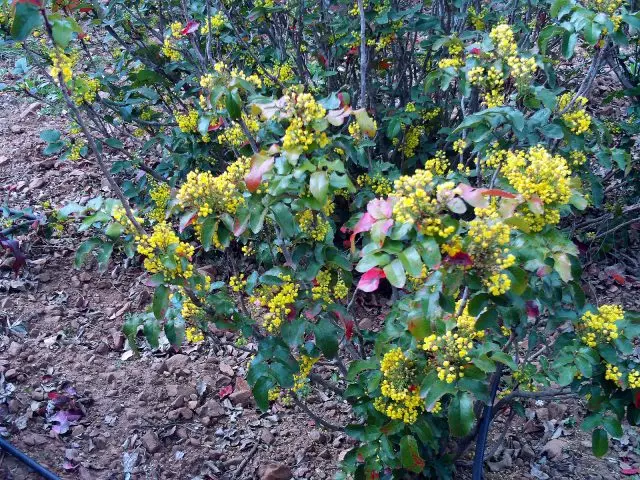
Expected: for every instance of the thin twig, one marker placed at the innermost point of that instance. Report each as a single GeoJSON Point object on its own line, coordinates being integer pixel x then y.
{"type": "Point", "coordinates": [246, 460]}
{"type": "Point", "coordinates": [316, 418]}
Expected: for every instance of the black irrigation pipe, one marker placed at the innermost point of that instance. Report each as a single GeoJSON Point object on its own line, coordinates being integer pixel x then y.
{"type": "Point", "coordinates": [481, 442]}
{"type": "Point", "coordinates": [28, 461]}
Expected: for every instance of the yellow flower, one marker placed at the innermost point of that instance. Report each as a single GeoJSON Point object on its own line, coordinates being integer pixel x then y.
{"type": "Point", "coordinates": [599, 328]}
{"type": "Point", "coordinates": [400, 398]}
{"type": "Point", "coordinates": [300, 379]}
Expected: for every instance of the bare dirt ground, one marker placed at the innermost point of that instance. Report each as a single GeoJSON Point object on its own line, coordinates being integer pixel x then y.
{"type": "Point", "coordinates": [87, 409]}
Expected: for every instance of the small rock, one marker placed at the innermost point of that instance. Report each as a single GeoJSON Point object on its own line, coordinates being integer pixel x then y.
{"type": "Point", "coordinates": [317, 436]}
{"type": "Point", "coordinates": [542, 414]}
{"type": "Point", "coordinates": [274, 471]}
{"type": "Point", "coordinates": [186, 413]}
{"type": "Point", "coordinates": [213, 408]}
{"type": "Point", "coordinates": [267, 437]}
{"type": "Point", "coordinates": [77, 431]}
{"type": "Point", "coordinates": [151, 442]}
{"type": "Point", "coordinates": [241, 393]}
{"type": "Point", "coordinates": [178, 402]}
{"type": "Point", "coordinates": [557, 411]}
{"type": "Point", "coordinates": [553, 448]}
{"type": "Point", "coordinates": [193, 404]}
{"type": "Point", "coordinates": [226, 369]}
{"type": "Point", "coordinates": [11, 374]}
{"type": "Point", "coordinates": [38, 395]}
{"type": "Point", "coordinates": [177, 361]}
{"type": "Point", "coordinates": [102, 348]}
{"type": "Point", "coordinates": [16, 128]}
{"type": "Point", "coordinates": [527, 453]}
{"type": "Point", "coordinates": [172, 390]}
{"type": "Point", "coordinates": [14, 349]}
{"type": "Point", "coordinates": [33, 439]}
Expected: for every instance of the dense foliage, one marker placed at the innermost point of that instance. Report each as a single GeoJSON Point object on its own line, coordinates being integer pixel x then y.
{"type": "Point", "coordinates": [276, 160]}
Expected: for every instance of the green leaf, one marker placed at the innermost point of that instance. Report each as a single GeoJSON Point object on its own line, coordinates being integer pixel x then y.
{"type": "Point", "coordinates": [612, 426]}
{"type": "Point", "coordinates": [327, 337]}
{"type": "Point", "coordinates": [85, 249]}
{"type": "Point", "coordinates": [599, 442]}
{"type": "Point", "coordinates": [260, 391]}
{"type": "Point", "coordinates": [160, 301]}
{"type": "Point", "coordinates": [103, 255]}
{"type": "Point", "coordinates": [411, 261]}
{"type": "Point", "coordinates": [546, 35]}
{"type": "Point", "coordinates": [557, 6]}
{"type": "Point", "coordinates": [151, 331]}
{"type": "Point", "coordinates": [232, 103]}
{"type": "Point", "coordinates": [409, 454]}
{"type": "Point", "coordinates": [430, 252]}
{"type": "Point", "coordinates": [393, 128]}
{"type": "Point", "coordinates": [461, 416]}
{"type": "Point", "coordinates": [552, 130]}
{"type": "Point", "coordinates": [62, 32]}
{"type": "Point", "coordinates": [284, 218]}
{"type": "Point", "coordinates": [114, 143]}
{"type": "Point", "coordinates": [27, 17]}
{"type": "Point", "coordinates": [50, 136]}
{"type": "Point", "coordinates": [478, 303]}
{"type": "Point", "coordinates": [130, 329]}
{"type": "Point", "coordinates": [318, 185]}
{"type": "Point", "coordinates": [114, 230]}
{"type": "Point", "coordinates": [395, 273]}
{"type": "Point", "coordinates": [569, 41]}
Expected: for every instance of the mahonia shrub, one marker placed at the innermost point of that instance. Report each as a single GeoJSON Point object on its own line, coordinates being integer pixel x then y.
{"type": "Point", "coordinates": [273, 162]}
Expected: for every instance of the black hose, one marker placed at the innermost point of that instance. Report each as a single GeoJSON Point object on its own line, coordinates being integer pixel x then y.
{"type": "Point", "coordinates": [481, 442]}
{"type": "Point", "coordinates": [28, 461]}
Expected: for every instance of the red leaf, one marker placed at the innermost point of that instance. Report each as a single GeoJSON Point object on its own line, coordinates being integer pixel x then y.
{"type": "Point", "coordinates": [460, 258]}
{"type": "Point", "coordinates": [370, 281]}
{"type": "Point", "coordinates": [323, 60]}
{"type": "Point", "coordinates": [636, 399]}
{"type": "Point", "coordinates": [364, 225]}
{"type": "Point", "coordinates": [259, 166]}
{"type": "Point", "coordinates": [496, 192]}
{"type": "Point", "coordinates": [630, 471]}
{"type": "Point", "coordinates": [532, 309]}
{"type": "Point", "coordinates": [225, 391]}
{"type": "Point", "coordinates": [475, 51]}
{"type": "Point", "coordinates": [618, 278]}
{"type": "Point", "coordinates": [191, 27]}
{"type": "Point", "coordinates": [216, 126]}
{"type": "Point", "coordinates": [187, 219]}
{"type": "Point", "coordinates": [384, 65]}
{"type": "Point", "coordinates": [348, 323]}
{"type": "Point", "coordinates": [14, 247]}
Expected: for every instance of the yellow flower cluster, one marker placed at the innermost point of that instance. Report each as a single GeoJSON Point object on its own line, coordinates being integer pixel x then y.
{"type": "Point", "coordinates": [282, 72]}
{"type": "Point", "coordinates": [169, 51]}
{"type": "Point", "coordinates": [612, 373]}
{"type": "Point", "coordinates": [576, 117]}
{"type": "Point", "coordinates": [600, 327]}
{"type": "Point", "coordinates": [237, 282]}
{"type": "Point", "coordinates": [277, 299]}
{"type": "Point", "coordinates": [85, 89]}
{"type": "Point", "coordinates": [165, 253]}
{"type": "Point", "coordinates": [119, 215]}
{"type": "Point", "coordinates": [577, 158]}
{"type": "Point", "coordinates": [160, 194]}
{"type": "Point", "coordinates": [273, 394]}
{"type": "Point", "coordinates": [439, 164]}
{"type": "Point", "coordinates": [450, 352]}
{"type": "Point", "coordinates": [522, 68]}
{"type": "Point", "coordinates": [75, 152]}
{"type": "Point", "coordinates": [300, 379]}
{"type": "Point", "coordinates": [194, 335]}
{"type": "Point", "coordinates": [605, 6]}
{"type": "Point", "coordinates": [459, 145]}
{"type": "Point", "coordinates": [312, 224]}
{"type": "Point", "coordinates": [303, 110]}
{"type": "Point", "coordinates": [491, 82]}
{"type": "Point", "coordinates": [234, 136]}
{"type": "Point", "coordinates": [503, 40]}
{"type": "Point", "coordinates": [538, 176]}
{"type": "Point", "coordinates": [217, 23]}
{"type": "Point", "coordinates": [453, 62]}
{"type": "Point", "coordinates": [322, 289]}
{"type": "Point", "coordinates": [380, 185]}
{"type": "Point", "coordinates": [62, 63]}
{"type": "Point", "coordinates": [412, 140]}
{"type": "Point", "coordinates": [634, 379]}
{"type": "Point", "coordinates": [400, 398]}
{"type": "Point", "coordinates": [176, 29]}
{"type": "Point", "coordinates": [209, 194]}
{"type": "Point", "coordinates": [417, 205]}
{"type": "Point", "coordinates": [188, 122]}
{"type": "Point", "coordinates": [488, 236]}
{"type": "Point", "coordinates": [477, 18]}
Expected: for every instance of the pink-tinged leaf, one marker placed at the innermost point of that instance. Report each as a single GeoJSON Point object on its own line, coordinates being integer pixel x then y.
{"type": "Point", "coordinates": [543, 271]}
{"type": "Point", "coordinates": [19, 257]}
{"type": "Point", "coordinates": [191, 27]}
{"type": "Point", "coordinates": [63, 420]}
{"type": "Point", "coordinates": [536, 206]}
{"type": "Point", "coordinates": [630, 471]}
{"type": "Point", "coordinates": [619, 279]}
{"type": "Point", "coordinates": [456, 205]}
{"type": "Point", "coordinates": [532, 309]}
{"type": "Point", "coordinates": [460, 258]}
{"type": "Point", "coordinates": [370, 281]}
{"type": "Point", "coordinates": [496, 192]}
{"type": "Point", "coordinates": [380, 209]}
{"type": "Point", "coordinates": [616, 273]}
{"type": "Point", "coordinates": [348, 323]}
{"type": "Point", "coordinates": [473, 196]}
{"type": "Point", "coordinates": [380, 229]}
{"type": "Point", "coordinates": [187, 219]}
{"type": "Point", "coordinates": [365, 122]}
{"type": "Point", "coordinates": [336, 117]}
{"type": "Point", "coordinates": [216, 126]}
{"type": "Point", "coordinates": [562, 265]}
{"type": "Point", "coordinates": [259, 166]}
{"type": "Point", "coordinates": [224, 392]}
{"type": "Point", "coordinates": [240, 228]}
{"type": "Point", "coordinates": [364, 225]}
